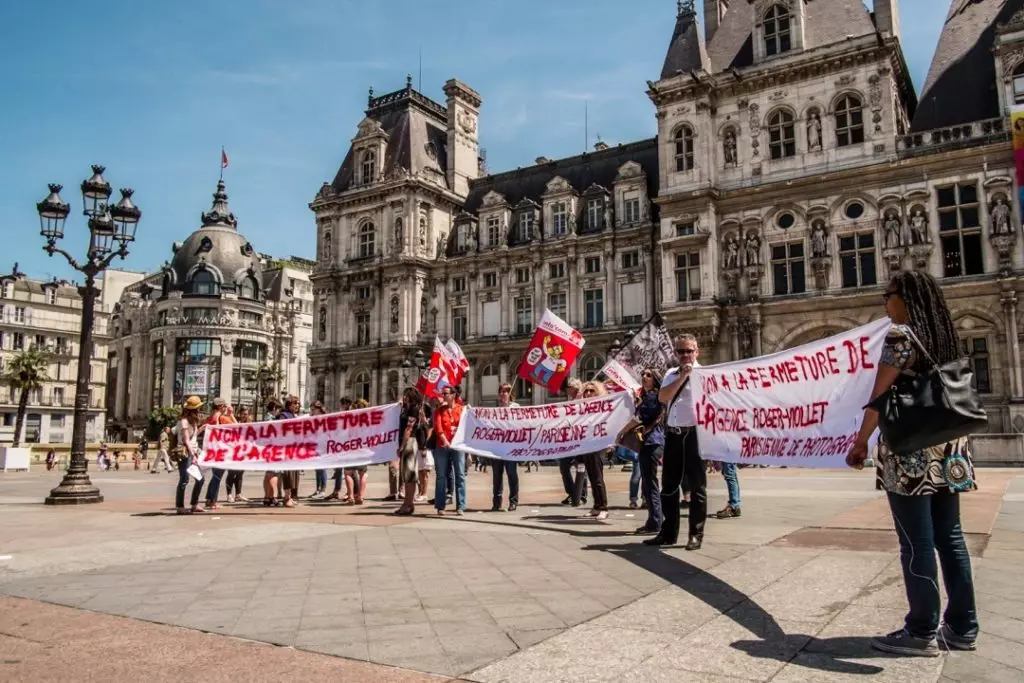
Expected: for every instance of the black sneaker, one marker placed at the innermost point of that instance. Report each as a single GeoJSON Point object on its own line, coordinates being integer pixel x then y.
{"type": "Point", "coordinates": [646, 531]}
{"type": "Point", "coordinates": [949, 640]}
{"type": "Point", "coordinates": [567, 500]}
{"type": "Point", "coordinates": [902, 643]}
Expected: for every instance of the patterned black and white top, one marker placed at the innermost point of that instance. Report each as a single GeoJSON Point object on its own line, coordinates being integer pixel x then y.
{"type": "Point", "coordinates": [928, 470]}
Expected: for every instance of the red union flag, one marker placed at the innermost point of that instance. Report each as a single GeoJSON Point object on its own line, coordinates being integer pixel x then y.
{"type": "Point", "coordinates": [436, 376]}
{"type": "Point", "coordinates": [551, 352]}
{"type": "Point", "coordinates": [457, 361]}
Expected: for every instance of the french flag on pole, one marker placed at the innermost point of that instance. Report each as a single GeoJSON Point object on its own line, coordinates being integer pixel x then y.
{"type": "Point", "coordinates": [436, 377]}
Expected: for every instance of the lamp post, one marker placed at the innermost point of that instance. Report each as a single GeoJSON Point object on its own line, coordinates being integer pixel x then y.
{"type": "Point", "coordinates": [107, 225]}
{"type": "Point", "coordinates": [418, 361]}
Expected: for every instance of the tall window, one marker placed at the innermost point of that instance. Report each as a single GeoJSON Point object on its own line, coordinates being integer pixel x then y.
{"type": "Point", "coordinates": [849, 121]}
{"type": "Point", "coordinates": [1018, 84]}
{"type": "Point", "coordinates": [461, 239]}
{"type": "Point", "coordinates": [593, 308]}
{"type": "Point", "coordinates": [556, 271]}
{"type": "Point", "coordinates": [460, 324]}
{"type": "Point", "coordinates": [8, 290]}
{"type": "Point", "coordinates": [459, 284]}
{"type": "Point", "coordinates": [688, 276]}
{"type": "Point", "coordinates": [591, 367]}
{"type": "Point", "coordinates": [196, 369]}
{"type": "Point", "coordinates": [493, 231]}
{"type": "Point", "coordinates": [788, 269]}
{"type": "Point", "coordinates": [557, 304]}
{"type": "Point", "coordinates": [369, 166]}
{"type": "Point", "coordinates": [781, 135]}
{"type": "Point", "coordinates": [19, 314]}
{"type": "Point", "coordinates": [18, 341]}
{"type": "Point", "coordinates": [58, 392]}
{"type": "Point", "coordinates": [367, 240]}
{"type": "Point", "coordinates": [490, 279]}
{"type": "Point", "coordinates": [595, 214]}
{"type": "Point", "coordinates": [522, 276]}
{"type": "Point", "coordinates": [524, 315]}
{"type": "Point", "coordinates": [362, 329]}
{"type": "Point", "coordinates": [245, 379]}
{"type": "Point", "coordinates": [683, 141]}
{"type": "Point", "coordinates": [248, 289]}
{"type": "Point", "coordinates": [631, 210]}
{"type": "Point", "coordinates": [559, 219]}
{"type": "Point", "coordinates": [630, 259]}
{"type": "Point", "coordinates": [361, 385]}
{"type": "Point", "coordinates": [777, 37]}
{"type": "Point", "coordinates": [592, 265]}
{"type": "Point", "coordinates": [526, 226]}
{"type": "Point", "coordinates": [204, 284]}
{"type": "Point", "coordinates": [976, 348]}
{"type": "Point", "coordinates": [857, 260]}
{"type": "Point", "coordinates": [156, 392]}
{"type": "Point", "coordinates": [959, 230]}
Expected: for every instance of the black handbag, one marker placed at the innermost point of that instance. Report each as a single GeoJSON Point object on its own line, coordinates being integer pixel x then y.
{"type": "Point", "coordinates": [931, 407]}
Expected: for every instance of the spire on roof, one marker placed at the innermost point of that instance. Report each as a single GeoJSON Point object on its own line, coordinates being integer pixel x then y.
{"type": "Point", "coordinates": [219, 213]}
{"type": "Point", "coordinates": [686, 51]}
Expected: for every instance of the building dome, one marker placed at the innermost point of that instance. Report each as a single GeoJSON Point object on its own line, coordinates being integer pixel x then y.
{"type": "Point", "coordinates": [215, 258]}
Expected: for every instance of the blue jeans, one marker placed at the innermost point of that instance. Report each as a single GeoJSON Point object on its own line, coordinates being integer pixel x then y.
{"type": "Point", "coordinates": [213, 490]}
{"type": "Point", "coordinates": [443, 458]}
{"type": "Point", "coordinates": [634, 477]}
{"type": "Point", "coordinates": [647, 463]}
{"type": "Point", "coordinates": [321, 480]}
{"type": "Point", "coordinates": [183, 477]}
{"type": "Point", "coordinates": [732, 483]}
{"type": "Point", "coordinates": [926, 525]}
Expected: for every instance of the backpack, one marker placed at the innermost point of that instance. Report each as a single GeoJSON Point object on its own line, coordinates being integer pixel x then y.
{"type": "Point", "coordinates": [176, 452]}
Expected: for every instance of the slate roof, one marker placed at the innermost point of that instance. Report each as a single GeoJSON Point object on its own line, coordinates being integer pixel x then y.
{"type": "Point", "coordinates": [961, 84]}
{"type": "Point", "coordinates": [686, 50]}
{"type": "Point", "coordinates": [411, 120]}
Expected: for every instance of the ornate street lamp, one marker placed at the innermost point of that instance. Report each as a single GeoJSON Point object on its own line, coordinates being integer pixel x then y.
{"type": "Point", "coordinates": [111, 230]}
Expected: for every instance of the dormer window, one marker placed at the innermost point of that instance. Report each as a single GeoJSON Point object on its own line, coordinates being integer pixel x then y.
{"type": "Point", "coordinates": [8, 290]}
{"type": "Point", "coordinates": [461, 238]}
{"type": "Point", "coordinates": [493, 231]}
{"type": "Point", "coordinates": [777, 38]}
{"type": "Point", "coordinates": [204, 283]}
{"type": "Point", "coordinates": [369, 168]}
{"type": "Point", "coordinates": [559, 219]}
{"type": "Point", "coordinates": [248, 288]}
{"type": "Point", "coordinates": [683, 141]}
{"type": "Point", "coordinates": [51, 296]}
{"type": "Point", "coordinates": [595, 213]}
{"type": "Point", "coordinates": [526, 226]}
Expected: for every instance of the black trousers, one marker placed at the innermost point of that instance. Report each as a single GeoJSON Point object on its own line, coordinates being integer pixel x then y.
{"type": "Point", "coordinates": [575, 484]}
{"type": "Point", "coordinates": [234, 481]}
{"type": "Point", "coordinates": [682, 456]}
{"type": "Point", "coordinates": [594, 464]}
{"type": "Point", "coordinates": [499, 469]}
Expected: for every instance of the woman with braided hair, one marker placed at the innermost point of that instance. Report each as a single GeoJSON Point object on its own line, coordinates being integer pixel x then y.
{"type": "Point", "coordinates": [923, 486]}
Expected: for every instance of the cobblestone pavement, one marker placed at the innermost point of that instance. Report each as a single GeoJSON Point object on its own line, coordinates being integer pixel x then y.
{"type": "Point", "coordinates": [792, 590]}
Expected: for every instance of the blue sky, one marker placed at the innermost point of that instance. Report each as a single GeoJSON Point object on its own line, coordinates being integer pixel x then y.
{"type": "Point", "coordinates": [153, 89]}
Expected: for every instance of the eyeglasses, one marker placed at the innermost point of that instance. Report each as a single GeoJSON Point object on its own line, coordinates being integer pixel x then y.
{"type": "Point", "coordinates": [682, 352]}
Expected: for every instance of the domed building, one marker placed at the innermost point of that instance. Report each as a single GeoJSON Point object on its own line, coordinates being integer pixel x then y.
{"type": "Point", "coordinates": [218, 320]}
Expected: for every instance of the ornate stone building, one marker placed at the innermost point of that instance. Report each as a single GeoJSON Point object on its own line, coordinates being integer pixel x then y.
{"type": "Point", "coordinates": [792, 171]}
{"type": "Point", "coordinates": [218, 320]}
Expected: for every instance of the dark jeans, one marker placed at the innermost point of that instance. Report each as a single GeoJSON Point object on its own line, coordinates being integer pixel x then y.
{"type": "Point", "coordinates": [321, 480]}
{"type": "Point", "coordinates": [197, 487]}
{"type": "Point", "coordinates": [683, 456]}
{"type": "Point", "coordinates": [594, 463]}
{"type": "Point", "coordinates": [647, 463]}
{"type": "Point", "coordinates": [575, 484]}
{"type": "Point", "coordinates": [213, 490]}
{"type": "Point", "coordinates": [339, 474]}
{"type": "Point", "coordinates": [498, 470]}
{"type": "Point", "coordinates": [926, 525]}
{"type": "Point", "coordinates": [234, 482]}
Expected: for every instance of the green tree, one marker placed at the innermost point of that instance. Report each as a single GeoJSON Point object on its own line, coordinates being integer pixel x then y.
{"type": "Point", "coordinates": [26, 372]}
{"type": "Point", "coordinates": [160, 418]}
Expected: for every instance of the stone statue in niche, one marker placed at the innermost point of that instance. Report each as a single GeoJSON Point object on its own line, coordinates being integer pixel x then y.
{"type": "Point", "coordinates": [892, 230]}
{"type": "Point", "coordinates": [571, 222]}
{"type": "Point", "coordinates": [327, 247]}
{"type": "Point", "coordinates": [753, 249]}
{"type": "Point", "coordinates": [504, 233]}
{"type": "Point", "coordinates": [819, 245]}
{"type": "Point", "coordinates": [442, 243]}
{"type": "Point", "coordinates": [394, 315]}
{"type": "Point", "coordinates": [1001, 216]}
{"type": "Point", "coordinates": [323, 323]}
{"type": "Point", "coordinates": [729, 147]}
{"type": "Point", "coordinates": [470, 238]}
{"type": "Point", "coordinates": [423, 314]}
{"type": "Point", "coordinates": [814, 131]}
{"type": "Point", "coordinates": [399, 234]}
{"type": "Point", "coordinates": [918, 227]}
{"type": "Point", "coordinates": [609, 212]}
{"type": "Point", "coordinates": [732, 253]}
{"type": "Point", "coordinates": [423, 233]}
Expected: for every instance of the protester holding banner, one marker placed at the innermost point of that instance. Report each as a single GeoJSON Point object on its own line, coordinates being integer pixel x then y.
{"type": "Point", "coordinates": [415, 430]}
{"type": "Point", "coordinates": [923, 485]}
{"type": "Point", "coordinates": [339, 472]}
{"type": "Point", "coordinates": [219, 416]}
{"type": "Point", "coordinates": [289, 479]}
{"type": "Point", "coordinates": [233, 481]}
{"type": "Point", "coordinates": [682, 453]}
{"type": "Point", "coordinates": [575, 489]}
{"type": "Point", "coordinates": [503, 467]}
{"type": "Point", "coordinates": [188, 442]}
{"type": "Point", "coordinates": [650, 443]}
{"type": "Point", "coordinates": [317, 408]}
{"type": "Point", "coordinates": [446, 422]}
{"type": "Point", "coordinates": [355, 477]}
{"type": "Point", "coordinates": [594, 463]}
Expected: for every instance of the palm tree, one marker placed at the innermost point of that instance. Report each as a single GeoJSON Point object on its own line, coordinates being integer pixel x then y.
{"type": "Point", "coordinates": [26, 372]}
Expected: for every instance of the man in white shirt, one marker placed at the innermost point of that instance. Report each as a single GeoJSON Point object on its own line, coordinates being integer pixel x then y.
{"type": "Point", "coordinates": [500, 468]}
{"type": "Point", "coordinates": [681, 452]}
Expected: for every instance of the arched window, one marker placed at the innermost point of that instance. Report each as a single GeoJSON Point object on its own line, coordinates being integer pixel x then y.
{"type": "Point", "coordinates": [683, 141]}
{"type": "Point", "coordinates": [367, 240]}
{"type": "Point", "coordinates": [369, 167]}
{"type": "Point", "coordinates": [591, 367]}
{"type": "Point", "coordinates": [248, 288]}
{"type": "Point", "coordinates": [1018, 84]}
{"type": "Point", "coordinates": [781, 135]}
{"type": "Point", "coordinates": [849, 121]}
{"type": "Point", "coordinates": [204, 283]}
{"type": "Point", "coordinates": [326, 251]}
{"type": "Point", "coordinates": [361, 385]}
{"type": "Point", "coordinates": [776, 31]}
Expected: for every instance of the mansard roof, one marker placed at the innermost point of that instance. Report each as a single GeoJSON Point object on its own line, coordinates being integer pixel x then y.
{"type": "Point", "coordinates": [413, 122]}
{"type": "Point", "coordinates": [581, 172]}
{"type": "Point", "coordinates": [826, 22]}
{"type": "Point", "coordinates": [686, 50]}
{"type": "Point", "coordinates": [961, 86]}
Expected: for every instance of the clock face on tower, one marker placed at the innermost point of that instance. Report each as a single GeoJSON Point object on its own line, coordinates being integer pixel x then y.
{"type": "Point", "coordinates": [467, 122]}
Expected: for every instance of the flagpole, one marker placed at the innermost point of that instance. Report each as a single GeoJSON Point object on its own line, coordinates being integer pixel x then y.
{"type": "Point", "coordinates": [222, 153]}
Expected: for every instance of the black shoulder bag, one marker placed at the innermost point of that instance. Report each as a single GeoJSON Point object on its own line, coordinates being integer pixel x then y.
{"type": "Point", "coordinates": [930, 407]}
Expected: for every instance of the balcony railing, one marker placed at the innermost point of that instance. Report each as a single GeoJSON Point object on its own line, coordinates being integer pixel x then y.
{"type": "Point", "coordinates": [953, 137]}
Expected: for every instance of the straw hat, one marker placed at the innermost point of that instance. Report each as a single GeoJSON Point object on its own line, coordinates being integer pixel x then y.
{"type": "Point", "coordinates": [193, 403]}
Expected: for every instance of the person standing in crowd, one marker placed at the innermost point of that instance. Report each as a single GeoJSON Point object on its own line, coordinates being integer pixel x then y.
{"type": "Point", "coordinates": [234, 477]}
{"type": "Point", "coordinates": [449, 476]}
{"type": "Point", "coordinates": [101, 458]}
{"type": "Point", "coordinates": [730, 472]}
{"type": "Point", "coordinates": [924, 486]}
{"type": "Point", "coordinates": [188, 442]}
{"type": "Point", "coordinates": [162, 451]}
{"type": "Point", "coordinates": [503, 467]}
{"type": "Point", "coordinates": [317, 408]}
{"type": "Point", "coordinates": [273, 409]}
{"type": "Point", "coordinates": [594, 463]}
{"type": "Point", "coordinates": [414, 426]}
{"type": "Point", "coordinates": [355, 477]}
{"type": "Point", "coordinates": [567, 467]}
{"type": "Point", "coordinates": [446, 422]}
{"type": "Point", "coordinates": [144, 447]}
{"type": "Point", "coordinates": [339, 472]}
{"type": "Point", "coordinates": [682, 454]}
{"type": "Point", "coordinates": [648, 420]}
{"type": "Point", "coordinates": [290, 478]}
{"type": "Point", "coordinates": [220, 416]}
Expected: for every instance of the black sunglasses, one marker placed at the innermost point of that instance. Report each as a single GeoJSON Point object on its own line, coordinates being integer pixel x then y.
{"type": "Point", "coordinates": [682, 351]}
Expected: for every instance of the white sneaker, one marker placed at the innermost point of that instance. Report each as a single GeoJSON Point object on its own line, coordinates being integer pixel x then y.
{"type": "Point", "coordinates": [421, 499]}
{"type": "Point", "coordinates": [231, 498]}
{"type": "Point", "coordinates": [602, 515]}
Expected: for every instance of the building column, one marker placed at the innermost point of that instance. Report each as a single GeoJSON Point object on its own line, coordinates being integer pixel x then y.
{"type": "Point", "coordinates": [1009, 302]}
{"type": "Point", "coordinates": [227, 365]}
{"type": "Point", "coordinates": [473, 309]}
{"type": "Point", "coordinates": [572, 299]}
{"type": "Point", "coordinates": [506, 308]}
{"type": "Point", "coordinates": [648, 258]}
{"type": "Point", "coordinates": [612, 315]}
{"type": "Point", "coordinates": [170, 353]}
{"type": "Point", "coordinates": [375, 393]}
{"type": "Point", "coordinates": [120, 405]}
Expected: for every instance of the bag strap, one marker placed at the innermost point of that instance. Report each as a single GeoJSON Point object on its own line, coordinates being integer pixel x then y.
{"type": "Point", "coordinates": [671, 404]}
{"type": "Point", "coordinates": [917, 342]}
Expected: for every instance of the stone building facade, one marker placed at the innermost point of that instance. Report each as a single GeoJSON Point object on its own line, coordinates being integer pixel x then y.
{"type": "Point", "coordinates": [793, 169]}
{"type": "Point", "coordinates": [218, 320]}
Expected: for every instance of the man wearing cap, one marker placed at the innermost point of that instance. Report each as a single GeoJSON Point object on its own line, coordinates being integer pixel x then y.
{"type": "Point", "coordinates": [220, 416]}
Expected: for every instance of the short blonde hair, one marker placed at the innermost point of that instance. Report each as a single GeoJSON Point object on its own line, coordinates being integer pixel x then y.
{"type": "Point", "coordinates": [360, 403]}
{"type": "Point", "coordinates": [596, 387]}
{"type": "Point", "coordinates": [574, 384]}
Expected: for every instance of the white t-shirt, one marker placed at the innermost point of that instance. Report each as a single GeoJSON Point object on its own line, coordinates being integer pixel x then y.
{"type": "Point", "coordinates": [681, 413]}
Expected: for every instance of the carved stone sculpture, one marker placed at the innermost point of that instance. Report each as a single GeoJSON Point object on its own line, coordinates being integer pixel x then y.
{"type": "Point", "coordinates": [442, 243]}
{"type": "Point", "coordinates": [918, 227]}
{"type": "Point", "coordinates": [819, 244]}
{"type": "Point", "coordinates": [323, 323]}
{"type": "Point", "coordinates": [423, 314]}
{"type": "Point", "coordinates": [1001, 216]}
{"type": "Point", "coordinates": [470, 238]}
{"type": "Point", "coordinates": [753, 249]}
{"type": "Point", "coordinates": [732, 253]}
{"type": "Point", "coordinates": [423, 233]}
{"type": "Point", "coordinates": [729, 148]}
{"type": "Point", "coordinates": [327, 248]}
{"type": "Point", "coordinates": [399, 234]}
{"type": "Point", "coordinates": [892, 230]}
{"type": "Point", "coordinates": [394, 315]}
{"type": "Point", "coordinates": [814, 131]}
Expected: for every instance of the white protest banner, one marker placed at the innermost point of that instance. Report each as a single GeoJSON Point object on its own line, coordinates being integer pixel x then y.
{"type": "Point", "coordinates": [649, 349]}
{"type": "Point", "coordinates": [547, 432]}
{"type": "Point", "coordinates": [310, 442]}
{"type": "Point", "coordinates": [801, 407]}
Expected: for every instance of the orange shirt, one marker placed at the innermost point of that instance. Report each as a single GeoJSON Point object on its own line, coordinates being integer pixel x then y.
{"type": "Point", "coordinates": [446, 421]}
